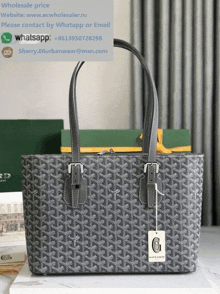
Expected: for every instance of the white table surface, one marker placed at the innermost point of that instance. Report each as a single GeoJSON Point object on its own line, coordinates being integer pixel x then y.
{"type": "Point", "coordinates": [26, 283]}
{"type": "Point", "coordinates": [205, 280]}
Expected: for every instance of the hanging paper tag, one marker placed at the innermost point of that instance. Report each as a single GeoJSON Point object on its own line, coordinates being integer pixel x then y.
{"type": "Point", "coordinates": [156, 246]}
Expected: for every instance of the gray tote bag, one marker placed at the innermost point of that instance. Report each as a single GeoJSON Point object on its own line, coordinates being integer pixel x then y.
{"type": "Point", "coordinates": [113, 213]}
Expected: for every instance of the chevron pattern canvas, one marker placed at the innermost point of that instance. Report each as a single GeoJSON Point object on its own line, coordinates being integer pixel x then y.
{"type": "Point", "coordinates": [109, 233]}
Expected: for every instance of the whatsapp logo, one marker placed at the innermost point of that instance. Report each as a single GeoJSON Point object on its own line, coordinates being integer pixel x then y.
{"type": "Point", "coordinates": [6, 38]}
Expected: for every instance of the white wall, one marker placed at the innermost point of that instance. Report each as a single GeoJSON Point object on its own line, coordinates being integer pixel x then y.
{"type": "Point", "coordinates": [40, 90]}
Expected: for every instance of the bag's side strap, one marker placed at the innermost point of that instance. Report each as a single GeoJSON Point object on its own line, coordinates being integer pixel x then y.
{"type": "Point", "coordinates": [150, 123]}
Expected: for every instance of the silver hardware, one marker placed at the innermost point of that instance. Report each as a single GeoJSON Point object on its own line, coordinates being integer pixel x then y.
{"type": "Point", "coordinates": [75, 164]}
{"type": "Point", "coordinates": [151, 164]}
{"type": "Point", "coordinates": [103, 152]}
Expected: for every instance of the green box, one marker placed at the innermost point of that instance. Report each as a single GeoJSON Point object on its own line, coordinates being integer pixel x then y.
{"type": "Point", "coordinates": [124, 138]}
{"type": "Point", "coordinates": [19, 137]}
{"type": "Point", "coordinates": [176, 138]}
{"type": "Point", "coordinates": [103, 138]}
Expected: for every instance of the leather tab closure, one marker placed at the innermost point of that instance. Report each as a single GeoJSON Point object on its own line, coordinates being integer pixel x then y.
{"type": "Point", "coordinates": [149, 184]}
{"type": "Point", "coordinates": [75, 184]}
{"type": "Point", "coordinates": [151, 170]}
{"type": "Point", "coordinates": [75, 190]}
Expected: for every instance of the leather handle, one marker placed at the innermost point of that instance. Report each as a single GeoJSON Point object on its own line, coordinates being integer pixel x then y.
{"type": "Point", "coordinates": [151, 113]}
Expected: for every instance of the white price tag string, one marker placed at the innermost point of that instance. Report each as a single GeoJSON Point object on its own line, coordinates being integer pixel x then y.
{"type": "Point", "coordinates": [156, 239]}
{"type": "Point", "coordinates": [156, 206]}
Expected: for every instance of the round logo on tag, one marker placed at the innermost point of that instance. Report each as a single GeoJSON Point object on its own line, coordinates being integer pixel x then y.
{"type": "Point", "coordinates": [156, 245]}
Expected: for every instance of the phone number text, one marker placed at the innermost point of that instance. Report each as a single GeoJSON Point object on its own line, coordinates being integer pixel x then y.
{"type": "Point", "coordinates": [79, 38]}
